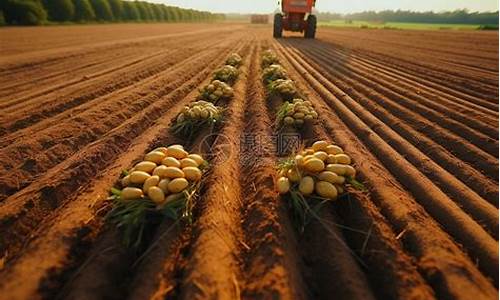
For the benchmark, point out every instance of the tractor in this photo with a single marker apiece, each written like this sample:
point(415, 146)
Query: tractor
point(295, 15)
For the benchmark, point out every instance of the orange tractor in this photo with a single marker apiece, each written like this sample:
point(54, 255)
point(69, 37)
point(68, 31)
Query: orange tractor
point(295, 15)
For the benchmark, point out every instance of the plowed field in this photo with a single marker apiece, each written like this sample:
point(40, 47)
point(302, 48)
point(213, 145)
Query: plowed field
point(416, 110)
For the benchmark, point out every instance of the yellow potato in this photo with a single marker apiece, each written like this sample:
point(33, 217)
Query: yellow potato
point(154, 156)
point(197, 158)
point(130, 193)
point(299, 160)
point(177, 152)
point(160, 170)
point(293, 175)
point(343, 159)
point(328, 176)
point(334, 149)
point(151, 181)
point(171, 162)
point(314, 165)
point(350, 171)
point(192, 173)
point(188, 162)
point(161, 149)
point(306, 185)
point(146, 166)
point(138, 177)
point(283, 185)
point(125, 181)
point(156, 194)
point(331, 159)
point(326, 190)
point(163, 185)
point(320, 145)
point(340, 189)
point(173, 172)
point(177, 185)
point(321, 155)
point(337, 169)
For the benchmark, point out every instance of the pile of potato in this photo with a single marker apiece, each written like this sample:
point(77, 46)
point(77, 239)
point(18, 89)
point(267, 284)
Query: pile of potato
point(163, 175)
point(297, 113)
point(319, 171)
point(216, 90)
point(226, 73)
point(234, 60)
point(199, 111)
point(283, 87)
point(274, 72)
point(269, 58)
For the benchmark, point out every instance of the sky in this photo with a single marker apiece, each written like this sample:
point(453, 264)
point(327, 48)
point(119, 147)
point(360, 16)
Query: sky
point(342, 6)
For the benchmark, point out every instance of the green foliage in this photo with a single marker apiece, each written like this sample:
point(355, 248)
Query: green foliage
point(59, 10)
point(143, 9)
point(83, 11)
point(102, 10)
point(116, 9)
point(2, 19)
point(23, 12)
point(158, 12)
point(130, 11)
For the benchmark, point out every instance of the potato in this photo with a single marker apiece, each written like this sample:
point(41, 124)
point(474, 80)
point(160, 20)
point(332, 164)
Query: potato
point(197, 158)
point(160, 170)
point(188, 162)
point(173, 172)
point(293, 175)
point(350, 171)
point(156, 194)
point(331, 159)
point(328, 176)
point(130, 193)
point(171, 162)
point(125, 181)
point(314, 165)
point(146, 166)
point(340, 189)
point(326, 190)
point(337, 169)
point(177, 152)
point(340, 180)
point(177, 185)
point(138, 177)
point(192, 173)
point(299, 122)
point(343, 159)
point(173, 197)
point(162, 150)
point(288, 121)
point(321, 155)
point(151, 181)
point(154, 156)
point(306, 185)
point(298, 115)
point(283, 185)
point(334, 149)
point(299, 160)
point(320, 145)
point(163, 185)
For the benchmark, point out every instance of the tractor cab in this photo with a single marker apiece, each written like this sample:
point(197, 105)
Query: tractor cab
point(295, 15)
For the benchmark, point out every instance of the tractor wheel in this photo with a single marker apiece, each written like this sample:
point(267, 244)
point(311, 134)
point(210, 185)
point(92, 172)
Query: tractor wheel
point(310, 32)
point(278, 26)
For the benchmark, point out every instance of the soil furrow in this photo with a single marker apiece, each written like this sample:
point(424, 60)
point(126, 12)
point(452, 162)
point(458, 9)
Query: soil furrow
point(482, 246)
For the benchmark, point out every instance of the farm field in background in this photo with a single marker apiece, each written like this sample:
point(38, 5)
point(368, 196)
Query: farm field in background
point(416, 110)
point(399, 25)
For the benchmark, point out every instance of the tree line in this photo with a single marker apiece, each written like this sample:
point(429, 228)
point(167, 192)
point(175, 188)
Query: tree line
point(462, 16)
point(37, 12)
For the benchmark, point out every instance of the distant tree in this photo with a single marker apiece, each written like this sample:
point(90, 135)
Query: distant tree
point(130, 11)
point(23, 12)
point(102, 10)
point(158, 12)
point(143, 9)
point(2, 19)
point(117, 9)
point(83, 11)
point(59, 10)
point(150, 11)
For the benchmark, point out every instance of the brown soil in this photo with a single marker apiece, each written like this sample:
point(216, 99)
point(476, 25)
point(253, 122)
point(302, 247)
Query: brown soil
point(416, 110)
